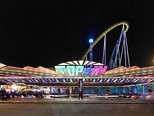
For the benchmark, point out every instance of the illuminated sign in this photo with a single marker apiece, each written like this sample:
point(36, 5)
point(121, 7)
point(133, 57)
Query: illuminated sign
point(80, 70)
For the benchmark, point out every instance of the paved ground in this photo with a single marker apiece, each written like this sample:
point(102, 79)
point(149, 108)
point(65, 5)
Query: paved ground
point(76, 109)
point(76, 101)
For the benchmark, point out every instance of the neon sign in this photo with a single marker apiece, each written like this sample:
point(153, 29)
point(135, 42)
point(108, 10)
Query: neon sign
point(80, 70)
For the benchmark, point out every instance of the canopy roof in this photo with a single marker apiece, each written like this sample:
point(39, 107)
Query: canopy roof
point(40, 71)
point(27, 71)
point(41, 74)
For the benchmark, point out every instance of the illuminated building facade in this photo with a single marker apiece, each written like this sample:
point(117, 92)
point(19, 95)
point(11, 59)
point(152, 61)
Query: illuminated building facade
point(96, 79)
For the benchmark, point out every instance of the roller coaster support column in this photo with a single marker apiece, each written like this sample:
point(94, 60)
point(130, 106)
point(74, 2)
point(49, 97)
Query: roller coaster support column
point(91, 51)
point(104, 51)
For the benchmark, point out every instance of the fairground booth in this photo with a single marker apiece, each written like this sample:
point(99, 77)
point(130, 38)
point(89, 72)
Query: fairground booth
point(73, 77)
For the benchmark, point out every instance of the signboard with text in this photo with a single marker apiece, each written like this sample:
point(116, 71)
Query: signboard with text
point(93, 69)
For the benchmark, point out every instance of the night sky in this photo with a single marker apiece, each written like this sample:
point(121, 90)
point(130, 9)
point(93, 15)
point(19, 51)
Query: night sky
point(49, 32)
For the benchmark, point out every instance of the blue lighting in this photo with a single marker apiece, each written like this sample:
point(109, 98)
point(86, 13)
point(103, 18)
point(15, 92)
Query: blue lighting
point(91, 40)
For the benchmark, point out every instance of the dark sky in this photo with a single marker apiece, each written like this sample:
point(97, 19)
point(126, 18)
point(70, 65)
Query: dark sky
point(48, 32)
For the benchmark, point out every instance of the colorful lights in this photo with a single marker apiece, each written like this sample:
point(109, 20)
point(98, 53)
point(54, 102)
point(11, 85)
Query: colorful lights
point(72, 71)
point(98, 69)
point(91, 40)
point(75, 80)
point(80, 70)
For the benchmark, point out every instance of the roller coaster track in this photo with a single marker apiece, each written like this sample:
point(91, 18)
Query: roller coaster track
point(103, 34)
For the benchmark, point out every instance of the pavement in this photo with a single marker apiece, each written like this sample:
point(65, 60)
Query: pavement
point(76, 101)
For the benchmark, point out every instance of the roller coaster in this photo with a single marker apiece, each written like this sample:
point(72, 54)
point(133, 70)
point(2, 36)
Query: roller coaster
point(120, 52)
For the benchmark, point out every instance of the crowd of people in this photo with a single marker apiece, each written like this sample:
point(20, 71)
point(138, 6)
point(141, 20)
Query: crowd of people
point(5, 95)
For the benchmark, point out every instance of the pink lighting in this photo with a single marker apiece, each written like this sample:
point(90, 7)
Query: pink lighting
point(98, 69)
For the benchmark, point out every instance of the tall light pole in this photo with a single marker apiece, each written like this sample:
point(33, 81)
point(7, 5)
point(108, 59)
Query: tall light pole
point(91, 52)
